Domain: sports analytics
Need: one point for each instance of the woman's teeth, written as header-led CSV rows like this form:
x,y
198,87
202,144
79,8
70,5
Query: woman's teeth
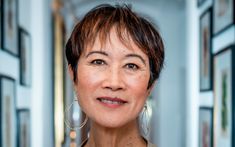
x,y
111,101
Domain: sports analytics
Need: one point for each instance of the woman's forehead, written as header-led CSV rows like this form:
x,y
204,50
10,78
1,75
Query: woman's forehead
x,y
113,39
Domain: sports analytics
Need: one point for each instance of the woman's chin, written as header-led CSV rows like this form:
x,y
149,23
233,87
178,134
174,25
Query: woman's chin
x,y
112,123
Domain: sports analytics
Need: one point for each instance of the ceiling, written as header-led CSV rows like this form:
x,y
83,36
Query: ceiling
x,y
77,3
73,6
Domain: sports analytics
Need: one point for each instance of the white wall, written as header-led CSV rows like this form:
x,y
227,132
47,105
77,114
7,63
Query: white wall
x,y
42,92
192,73
169,114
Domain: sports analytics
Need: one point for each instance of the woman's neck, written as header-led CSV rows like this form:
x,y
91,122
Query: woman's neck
x,y
127,135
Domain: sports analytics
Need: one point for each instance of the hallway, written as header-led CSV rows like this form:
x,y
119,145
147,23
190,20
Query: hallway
x,y
191,104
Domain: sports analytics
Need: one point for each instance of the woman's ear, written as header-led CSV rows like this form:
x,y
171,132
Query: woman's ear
x,y
151,88
70,70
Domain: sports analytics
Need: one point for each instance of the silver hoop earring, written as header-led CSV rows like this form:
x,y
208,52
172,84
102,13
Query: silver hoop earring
x,y
68,123
145,120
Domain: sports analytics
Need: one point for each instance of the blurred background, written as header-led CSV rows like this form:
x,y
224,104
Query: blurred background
x,y
191,104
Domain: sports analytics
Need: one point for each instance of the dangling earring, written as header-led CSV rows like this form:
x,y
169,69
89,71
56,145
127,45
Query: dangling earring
x,y
68,123
145,120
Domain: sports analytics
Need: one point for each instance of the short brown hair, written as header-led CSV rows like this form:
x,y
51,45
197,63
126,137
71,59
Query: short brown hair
x,y
100,20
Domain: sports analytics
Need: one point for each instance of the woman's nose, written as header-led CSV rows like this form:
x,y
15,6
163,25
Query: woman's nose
x,y
114,80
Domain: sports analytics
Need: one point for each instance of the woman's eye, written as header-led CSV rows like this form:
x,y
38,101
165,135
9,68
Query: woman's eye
x,y
132,66
98,62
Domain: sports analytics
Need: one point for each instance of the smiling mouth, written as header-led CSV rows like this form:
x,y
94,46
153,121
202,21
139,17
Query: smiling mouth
x,y
111,101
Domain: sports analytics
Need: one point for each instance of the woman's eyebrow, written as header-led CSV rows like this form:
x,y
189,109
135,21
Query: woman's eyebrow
x,y
136,56
105,54
96,52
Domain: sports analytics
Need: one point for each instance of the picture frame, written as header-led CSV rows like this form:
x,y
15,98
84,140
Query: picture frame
x,y
200,2
58,32
10,27
224,98
205,51
223,15
8,136
205,127
24,127
25,57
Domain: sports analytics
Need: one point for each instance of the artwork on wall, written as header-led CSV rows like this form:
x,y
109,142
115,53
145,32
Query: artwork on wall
x,y
223,97
24,125
205,127
223,15
10,28
8,112
205,51
25,57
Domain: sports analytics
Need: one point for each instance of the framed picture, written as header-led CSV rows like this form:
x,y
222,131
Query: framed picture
x,y
8,112
205,127
200,2
25,57
224,98
10,28
205,51
223,15
24,127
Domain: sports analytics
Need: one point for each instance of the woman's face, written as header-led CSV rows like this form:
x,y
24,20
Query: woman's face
x,y
112,82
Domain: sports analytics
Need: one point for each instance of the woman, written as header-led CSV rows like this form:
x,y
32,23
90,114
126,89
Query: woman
x,y
114,58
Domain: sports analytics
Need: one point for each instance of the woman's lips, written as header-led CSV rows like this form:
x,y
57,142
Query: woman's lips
x,y
111,102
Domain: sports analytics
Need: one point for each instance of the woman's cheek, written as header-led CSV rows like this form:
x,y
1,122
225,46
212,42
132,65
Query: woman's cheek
x,y
139,80
91,74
